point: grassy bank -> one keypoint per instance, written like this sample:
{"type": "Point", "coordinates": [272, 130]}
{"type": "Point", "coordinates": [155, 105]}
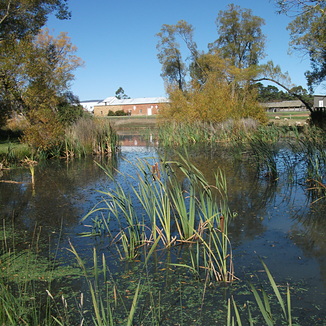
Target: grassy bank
{"type": "Point", "coordinates": [288, 118]}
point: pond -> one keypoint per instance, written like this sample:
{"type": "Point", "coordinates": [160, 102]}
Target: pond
{"type": "Point", "coordinates": [276, 221]}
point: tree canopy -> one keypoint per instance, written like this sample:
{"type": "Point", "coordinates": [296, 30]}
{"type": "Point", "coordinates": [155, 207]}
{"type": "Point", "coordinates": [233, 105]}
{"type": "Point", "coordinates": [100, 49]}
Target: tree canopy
{"type": "Point", "coordinates": [240, 37]}
{"type": "Point", "coordinates": [308, 34]}
{"type": "Point", "coordinates": [120, 94]}
{"type": "Point", "coordinates": [36, 70]}
{"type": "Point", "coordinates": [35, 76]}
{"type": "Point", "coordinates": [19, 18]}
{"type": "Point", "coordinates": [215, 85]}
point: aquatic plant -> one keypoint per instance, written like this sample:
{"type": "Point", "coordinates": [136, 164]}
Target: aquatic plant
{"type": "Point", "coordinates": [89, 136]}
{"type": "Point", "coordinates": [264, 303]}
{"type": "Point", "coordinates": [141, 302]}
{"type": "Point", "coordinates": [25, 277]}
{"type": "Point", "coordinates": [178, 206]}
{"type": "Point", "coordinates": [179, 134]}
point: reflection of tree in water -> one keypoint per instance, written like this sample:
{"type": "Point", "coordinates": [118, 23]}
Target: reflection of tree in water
{"type": "Point", "coordinates": [248, 195]}
{"type": "Point", "coordinates": [309, 233]}
{"type": "Point", "coordinates": [250, 202]}
{"type": "Point", "coordinates": [60, 193]}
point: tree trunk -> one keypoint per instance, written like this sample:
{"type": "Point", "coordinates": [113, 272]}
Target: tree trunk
{"type": "Point", "coordinates": [317, 115]}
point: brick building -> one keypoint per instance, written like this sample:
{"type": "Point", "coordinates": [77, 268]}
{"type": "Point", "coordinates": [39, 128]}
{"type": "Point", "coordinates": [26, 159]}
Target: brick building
{"type": "Point", "coordinates": [133, 106]}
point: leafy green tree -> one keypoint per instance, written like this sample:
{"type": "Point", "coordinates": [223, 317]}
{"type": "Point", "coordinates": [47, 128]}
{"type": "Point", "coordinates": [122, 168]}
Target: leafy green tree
{"type": "Point", "coordinates": [267, 94]}
{"type": "Point", "coordinates": [173, 66]}
{"type": "Point", "coordinates": [308, 34]}
{"type": "Point", "coordinates": [36, 71]}
{"type": "Point", "coordinates": [19, 18]}
{"type": "Point", "coordinates": [271, 93]}
{"type": "Point", "coordinates": [69, 109]}
{"type": "Point", "coordinates": [35, 75]}
{"type": "Point", "coordinates": [120, 94]}
{"type": "Point", "coordinates": [240, 36]}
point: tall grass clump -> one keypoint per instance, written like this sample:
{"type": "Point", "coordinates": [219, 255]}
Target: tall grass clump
{"type": "Point", "coordinates": [108, 304]}
{"type": "Point", "coordinates": [313, 145]}
{"type": "Point", "coordinates": [89, 135]}
{"type": "Point", "coordinates": [178, 134]}
{"type": "Point", "coordinates": [175, 206]}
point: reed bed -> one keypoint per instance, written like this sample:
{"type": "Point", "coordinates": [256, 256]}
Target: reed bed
{"type": "Point", "coordinates": [167, 218]}
{"type": "Point", "coordinates": [145, 303]}
{"type": "Point", "coordinates": [295, 153]}
{"type": "Point", "coordinates": [89, 136]}
{"type": "Point", "coordinates": [176, 205]}
{"type": "Point", "coordinates": [176, 134]}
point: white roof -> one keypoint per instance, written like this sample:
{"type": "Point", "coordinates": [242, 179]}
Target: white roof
{"type": "Point", "coordinates": [90, 101]}
{"type": "Point", "coordinates": [111, 100]}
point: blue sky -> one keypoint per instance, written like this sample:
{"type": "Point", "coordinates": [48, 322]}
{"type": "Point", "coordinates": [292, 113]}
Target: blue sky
{"type": "Point", "coordinates": [116, 40]}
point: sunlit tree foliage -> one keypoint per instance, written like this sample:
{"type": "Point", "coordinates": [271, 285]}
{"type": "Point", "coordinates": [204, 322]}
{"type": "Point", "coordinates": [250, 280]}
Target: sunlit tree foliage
{"type": "Point", "coordinates": [308, 34]}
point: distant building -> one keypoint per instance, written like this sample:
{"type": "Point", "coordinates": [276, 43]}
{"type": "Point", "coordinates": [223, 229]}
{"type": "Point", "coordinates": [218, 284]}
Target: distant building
{"type": "Point", "coordinates": [89, 105]}
{"type": "Point", "coordinates": [132, 106]}
{"type": "Point", "coordinates": [320, 101]}
{"type": "Point", "coordinates": [284, 106]}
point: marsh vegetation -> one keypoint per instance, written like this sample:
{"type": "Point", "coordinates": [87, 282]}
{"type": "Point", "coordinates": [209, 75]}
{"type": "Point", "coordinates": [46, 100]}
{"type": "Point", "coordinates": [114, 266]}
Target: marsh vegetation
{"type": "Point", "coordinates": [164, 237]}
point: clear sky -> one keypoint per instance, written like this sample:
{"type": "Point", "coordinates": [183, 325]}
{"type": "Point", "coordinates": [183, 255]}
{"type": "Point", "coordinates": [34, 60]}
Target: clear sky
{"type": "Point", "coordinates": [116, 39]}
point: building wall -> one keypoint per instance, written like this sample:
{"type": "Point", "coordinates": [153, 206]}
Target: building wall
{"type": "Point", "coordinates": [294, 105]}
{"type": "Point", "coordinates": [131, 109]}
{"type": "Point", "coordinates": [320, 101]}
{"type": "Point", "coordinates": [89, 105]}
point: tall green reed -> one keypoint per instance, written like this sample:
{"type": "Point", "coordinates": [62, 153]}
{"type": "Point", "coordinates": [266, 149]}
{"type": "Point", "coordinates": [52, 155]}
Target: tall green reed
{"type": "Point", "coordinates": [106, 300]}
{"type": "Point", "coordinates": [265, 302]}
{"type": "Point", "coordinates": [176, 205]}
{"type": "Point", "coordinates": [89, 136]}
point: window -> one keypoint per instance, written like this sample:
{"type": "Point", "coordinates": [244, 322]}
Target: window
{"type": "Point", "coordinates": [140, 111]}
{"type": "Point", "coordinates": [321, 103]}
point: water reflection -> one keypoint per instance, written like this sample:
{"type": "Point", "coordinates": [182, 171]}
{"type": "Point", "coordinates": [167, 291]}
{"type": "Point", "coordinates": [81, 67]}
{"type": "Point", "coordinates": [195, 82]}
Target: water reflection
{"type": "Point", "coordinates": [274, 220]}
{"type": "Point", "coordinates": [126, 139]}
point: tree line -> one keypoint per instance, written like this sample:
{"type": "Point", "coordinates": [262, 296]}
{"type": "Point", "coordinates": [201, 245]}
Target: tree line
{"type": "Point", "coordinates": [36, 68]}
{"type": "Point", "coordinates": [225, 81]}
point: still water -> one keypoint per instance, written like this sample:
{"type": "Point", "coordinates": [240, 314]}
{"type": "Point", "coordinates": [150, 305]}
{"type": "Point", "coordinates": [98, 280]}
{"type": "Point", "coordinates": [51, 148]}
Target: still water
{"type": "Point", "coordinates": [275, 220]}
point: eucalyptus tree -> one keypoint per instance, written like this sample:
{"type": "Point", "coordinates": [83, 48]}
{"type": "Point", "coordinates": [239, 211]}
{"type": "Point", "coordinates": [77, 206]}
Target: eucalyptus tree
{"type": "Point", "coordinates": [240, 36]}
{"type": "Point", "coordinates": [120, 94]}
{"type": "Point", "coordinates": [308, 34]}
{"type": "Point", "coordinates": [173, 67]}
